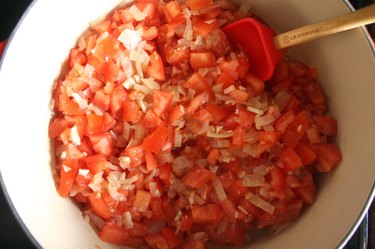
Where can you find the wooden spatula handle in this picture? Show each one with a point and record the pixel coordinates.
(307, 33)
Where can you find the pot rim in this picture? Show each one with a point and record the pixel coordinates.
(34, 241)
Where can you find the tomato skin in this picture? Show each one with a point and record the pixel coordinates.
(156, 68)
(155, 141)
(197, 177)
(328, 157)
(206, 213)
(67, 176)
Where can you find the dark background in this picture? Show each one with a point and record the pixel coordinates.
(11, 234)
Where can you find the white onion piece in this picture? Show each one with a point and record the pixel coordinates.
(253, 181)
(260, 203)
(137, 14)
(74, 136)
(219, 189)
(181, 164)
(127, 220)
(130, 38)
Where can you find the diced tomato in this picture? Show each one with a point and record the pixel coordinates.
(110, 71)
(202, 60)
(237, 190)
(193, 244)
(278, 179)
(288, 210)
(142, 200)
(296, 129)
(255, 85)
(238, 136)
(230, 68)
(136, 155)
(106, 49)
(172, 10)
(151, 161)
(155, 141)
(170, 236)
(68, 172)
(307, 189)
(236, 234)
(101, 100)
(246, 118)
(305, 152)
(72, 108)
(96, 163)
(57, 126)
(328, 157)
(218, 113)
(229, 210)
(239, 95)
(326, 125)
(151, 120)
(197, 102)
(186, 222)
(199, 4)
(267, 139)
(165, 173)
(102, 143)
(225, 80)
(156, 68)
(209, 213)
(197, 83)
(117, 99)
(76, 56)
(134, 242)
(197, 177)
(285, 85)
(98, 206)
(114, 234)
(156, 241)
(204, 28)
(176, 55)
(161, 101)
(132, 111)
(315, 94)
(95, 124)
(175, 114)
(283, 122)
(291, 160)
(213, 156)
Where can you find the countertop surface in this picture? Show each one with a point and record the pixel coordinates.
(11, 234)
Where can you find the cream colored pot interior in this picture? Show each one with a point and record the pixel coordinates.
(41, 44)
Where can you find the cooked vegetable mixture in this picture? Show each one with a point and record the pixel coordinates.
(165, 140)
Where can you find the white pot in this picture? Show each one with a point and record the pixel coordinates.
(33, 60)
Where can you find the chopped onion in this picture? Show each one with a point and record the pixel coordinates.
(51, 104)
(251, 149)
(229, 89)
(94, 219)
(221, 228)
(151, 83)
(153, 173)
(137, 14)
(203, 71)
(66, 168)
(260, 203)
(82, 103)
(129, 83)
(165, 158)
(144, 58)
(96, 181)
(83, 172)
(95, 109)
(127, 219)
(177, 139)
(219, 189)
(126, 130)
(244, 8)
(219, 143)
(115, 194)
(253, 181)
(181, 164)
(178, 215)
(126, 66)
(188, 34)
(124, 162)
(74, 136)
(263, 120)
(154, 190)
(130, 38)
(142, 89)
(220, 135)
(282, 99)
(261, 170)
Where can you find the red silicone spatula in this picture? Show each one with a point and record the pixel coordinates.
(264, 48)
